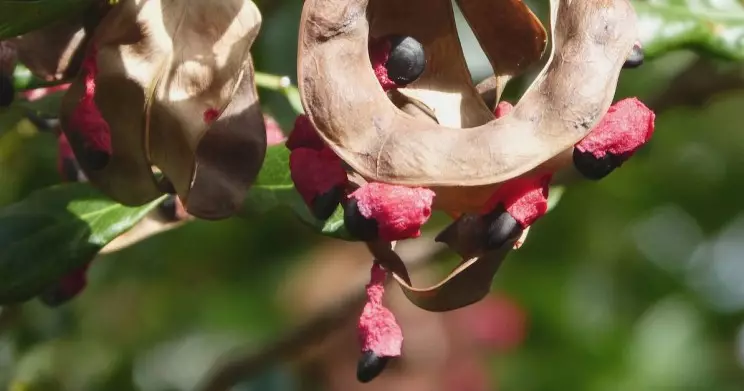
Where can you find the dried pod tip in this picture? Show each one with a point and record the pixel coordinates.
(7, 90)
(407, 60)
(636, 57)
(66, 288)
(399, 211)
(370, 366)
(627, 126)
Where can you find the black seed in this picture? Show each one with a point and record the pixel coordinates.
(95, 159)
(594, 168)
(356, 224)
(167, 208)
(635, 59)
(500, 228)
(166, 186)
(370, 366)
(7, 90)
(325, 204)
(407, 60)
(70, 170)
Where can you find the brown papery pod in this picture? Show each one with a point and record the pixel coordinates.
(446, 136)
(590, 42)
(175, 84)
(54, 52)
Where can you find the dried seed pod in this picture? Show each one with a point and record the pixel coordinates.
(55, 52)
(407, 60)
(471, 148)
(153, 92)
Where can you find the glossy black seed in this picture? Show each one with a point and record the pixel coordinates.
(166, 186)
(635, 59)
(168, 209)
(70, 170)
(95, 159)
(594, 168)
(370, 366)
(325, 204)
(407, 60)
(356, 224)
(7, 90)
(500, 228)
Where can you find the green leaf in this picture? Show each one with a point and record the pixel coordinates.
(18, 17)
(274, 188)
(55, 231)
(713, 26)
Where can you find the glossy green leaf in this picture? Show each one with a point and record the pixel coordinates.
(274, 188)
(55, 231)
(18, 17)
(713, 26)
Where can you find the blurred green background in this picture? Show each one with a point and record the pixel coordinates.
(632, 283)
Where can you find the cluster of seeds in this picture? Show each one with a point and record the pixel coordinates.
(380, 211)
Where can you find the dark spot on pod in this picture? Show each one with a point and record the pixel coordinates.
(635, 59)
(70, 170)
(7, 90)
(168, 208)
(325, 204)
(407, 60)
(500, 228)
(357, 225)
(95, 159)
(370, 366)
(594, 168)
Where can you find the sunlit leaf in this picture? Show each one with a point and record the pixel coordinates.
(53, 232)
(713, 26)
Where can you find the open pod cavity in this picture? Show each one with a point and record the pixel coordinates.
(170, 84)
(440, 132)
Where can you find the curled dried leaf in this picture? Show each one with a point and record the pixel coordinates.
(173, 82)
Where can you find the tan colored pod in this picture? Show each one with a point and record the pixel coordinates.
(175, 85)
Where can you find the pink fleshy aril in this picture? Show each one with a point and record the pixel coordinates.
(400, 211)
(627, 126)
(378, 331)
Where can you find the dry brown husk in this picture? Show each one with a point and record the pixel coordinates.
(465, 153)
(162, 64)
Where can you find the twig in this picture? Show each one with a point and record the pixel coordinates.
(244, 364)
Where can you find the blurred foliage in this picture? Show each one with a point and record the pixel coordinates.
(632, 283)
